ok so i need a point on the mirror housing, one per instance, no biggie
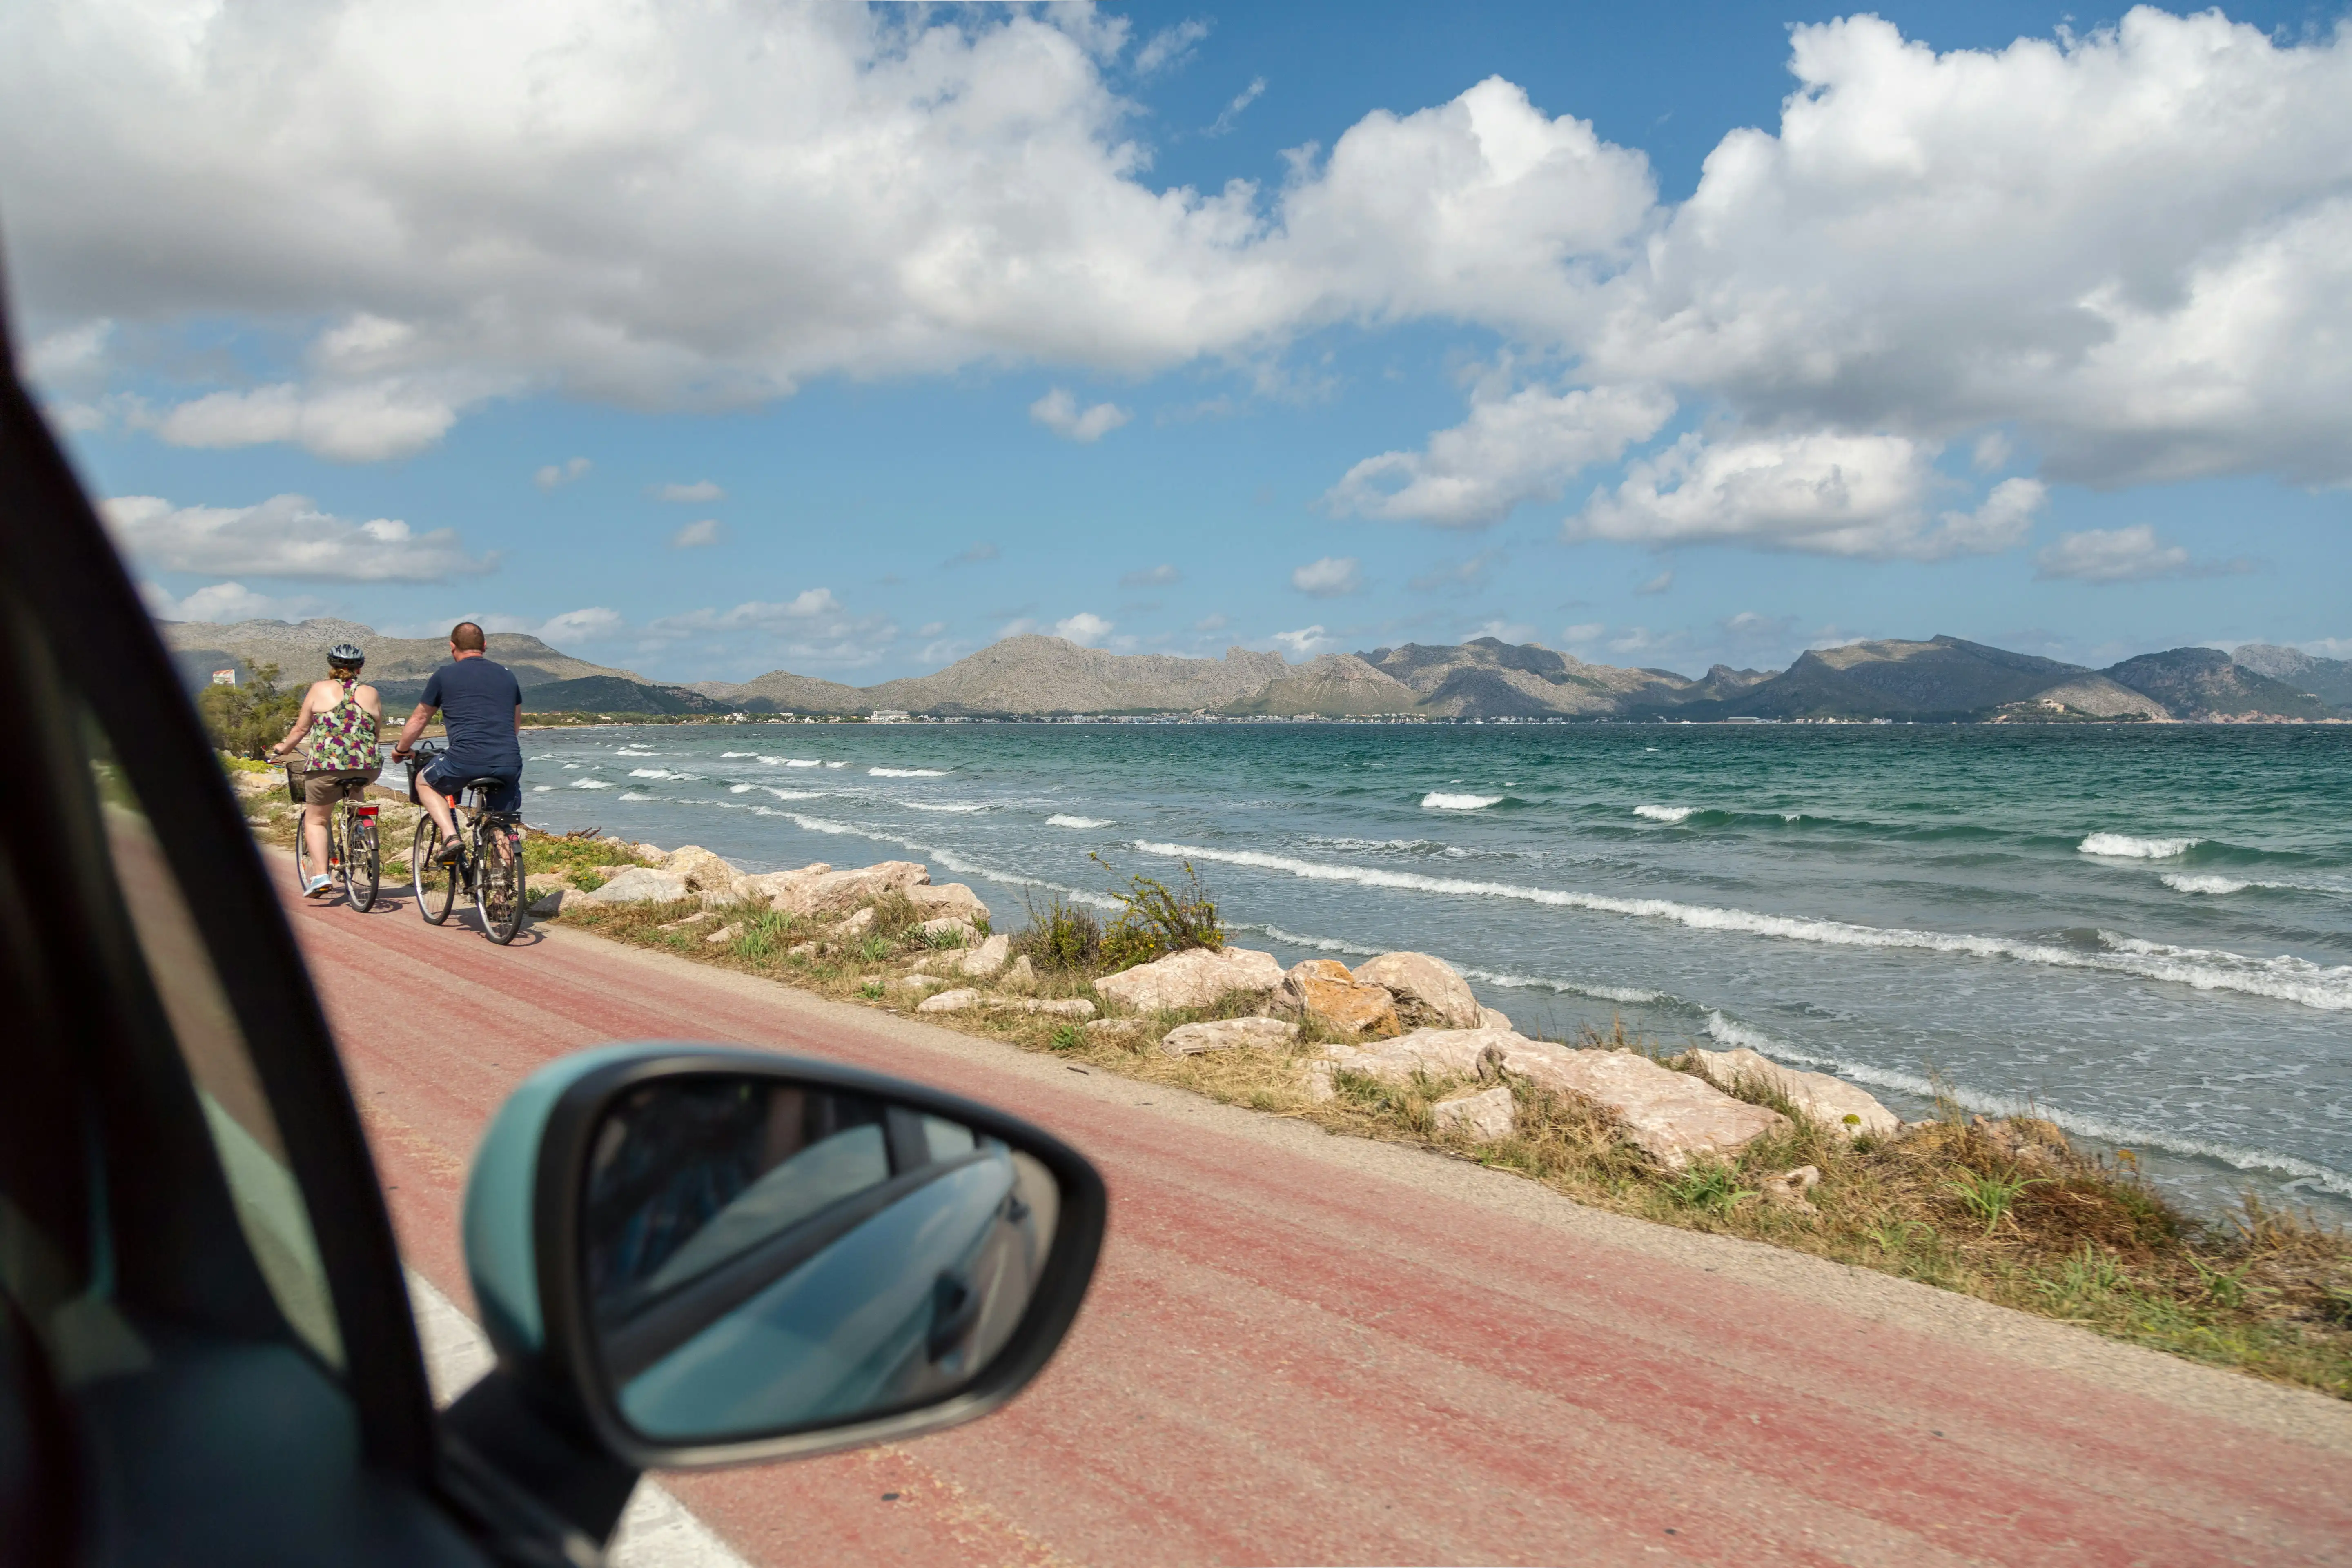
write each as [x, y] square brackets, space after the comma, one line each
[528, 1248]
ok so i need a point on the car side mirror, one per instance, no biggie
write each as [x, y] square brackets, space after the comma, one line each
[708, 1256]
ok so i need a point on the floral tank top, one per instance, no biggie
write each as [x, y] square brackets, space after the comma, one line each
[343, 739]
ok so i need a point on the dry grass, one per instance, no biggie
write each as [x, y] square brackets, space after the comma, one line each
[2002, 1211]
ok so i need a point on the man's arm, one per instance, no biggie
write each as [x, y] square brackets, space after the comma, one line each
[414, 728]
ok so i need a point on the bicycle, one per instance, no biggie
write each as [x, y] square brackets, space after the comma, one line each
[489, 858]
[352, 851]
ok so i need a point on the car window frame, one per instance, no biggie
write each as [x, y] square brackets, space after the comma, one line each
[87, 609]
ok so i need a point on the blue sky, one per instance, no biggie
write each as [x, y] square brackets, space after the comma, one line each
[847, 342]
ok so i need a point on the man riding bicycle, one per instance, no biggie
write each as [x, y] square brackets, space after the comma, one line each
[480, 704]
[342, 719]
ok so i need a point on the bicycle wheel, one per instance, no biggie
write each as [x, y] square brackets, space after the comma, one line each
[302, 870]
[498, 880]
[436, 884]
[362, 866]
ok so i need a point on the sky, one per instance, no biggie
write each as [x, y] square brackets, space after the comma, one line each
[709, 341]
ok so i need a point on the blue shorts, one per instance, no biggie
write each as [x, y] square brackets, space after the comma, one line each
[446, 776]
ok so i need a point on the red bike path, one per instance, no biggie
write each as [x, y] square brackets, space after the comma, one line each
[1301, 1348]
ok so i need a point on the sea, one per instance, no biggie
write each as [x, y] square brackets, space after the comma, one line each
[2142, 933]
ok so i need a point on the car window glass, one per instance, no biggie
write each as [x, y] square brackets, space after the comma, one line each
[270, 1209]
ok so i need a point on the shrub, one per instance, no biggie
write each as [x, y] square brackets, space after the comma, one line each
[246, 721]
[1156, 920]
[1059, 935]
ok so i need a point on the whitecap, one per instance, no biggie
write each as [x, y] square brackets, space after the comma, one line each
[836, 764]
[657, 774]
[796, 794]
[2284, 978]
[733, 755]
[959, 806]
[1062, 820]
[541, 789]
[800, 761]
[1665, 813]
[740, 789]
[2124, 847]
[1437, 800]
[633, 796]
[2180, 883]
[590, 783]
[906, 772]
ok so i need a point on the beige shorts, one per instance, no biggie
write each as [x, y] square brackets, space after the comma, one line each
[325, 788]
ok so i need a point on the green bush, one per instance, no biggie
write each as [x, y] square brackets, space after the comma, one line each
[1156, 920]
[1060, 935]
[246, 721]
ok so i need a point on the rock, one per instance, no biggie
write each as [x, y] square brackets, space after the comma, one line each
[1060, 1007]
[768, 884]
[950, 898]
[1118, 1025]
[956, 1001]
[539, 881]
[1827, 1100]
[947, 930]
[831, 892]
[1440, 1053]
[855, 925]
[704, 872]
[638, 885]
[694, 919]
[2028, 1139]
[1788, 1190]
[1486, 1116]
[918, 982]
[1225, 1034]
[802, 949]
[1670, 1115]
[724, 934]
[548, 900]
[1323, 990]
[984, 960]
[652, 855]
[1022, 972]
[1427, 991]
[1196, 977]
[1490, 1019]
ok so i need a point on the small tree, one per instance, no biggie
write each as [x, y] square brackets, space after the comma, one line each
[245, 720]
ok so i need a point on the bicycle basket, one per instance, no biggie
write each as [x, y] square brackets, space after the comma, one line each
[295, 774]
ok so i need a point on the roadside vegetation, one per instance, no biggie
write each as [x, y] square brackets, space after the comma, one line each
[246, 719]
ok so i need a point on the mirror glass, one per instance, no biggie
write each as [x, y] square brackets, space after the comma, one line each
[761, 1255]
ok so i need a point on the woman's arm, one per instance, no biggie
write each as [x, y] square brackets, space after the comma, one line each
[301, 725]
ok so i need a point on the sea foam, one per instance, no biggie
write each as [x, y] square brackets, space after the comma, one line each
[2181, 883]
[1665, 813]
[1062, 820]
[1437, 800]
[906, 772]
[2124, 847]
[2286, 979]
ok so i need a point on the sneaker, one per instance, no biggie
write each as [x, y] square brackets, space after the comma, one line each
[316, 888]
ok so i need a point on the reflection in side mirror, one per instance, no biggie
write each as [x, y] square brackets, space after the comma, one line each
[760, 1255]
[688, 1255]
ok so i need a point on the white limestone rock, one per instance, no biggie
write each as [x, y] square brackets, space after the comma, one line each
[1489, 1018]
[704, 872]
[638, 885]
[1489, 1114]
[831, 892]
[961, 999]
[1196, 977]
[951, 898]
[1824, 1099]
[1225, 1034]
[948, 931]
[1672, 1117]
[1427, 991]
[984, 960]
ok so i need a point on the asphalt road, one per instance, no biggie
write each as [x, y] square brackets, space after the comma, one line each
[1308, 1349]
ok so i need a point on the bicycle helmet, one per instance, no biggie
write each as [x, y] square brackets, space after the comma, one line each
[347, 655]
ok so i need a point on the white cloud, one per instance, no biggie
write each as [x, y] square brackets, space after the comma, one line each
[1657, 584]
[70, 357]
[1170, 45]
[2130, 554]
[1305, 642]
[697, 535]
[1824, 493]
[360, 424]
[224, 602]
[812, 628]
[1231, 114]
[1328, 578]
[284, 536]
[1216, 621]
[699, 491]
[1991, 452]
[1520, 446]
[555, 476]
[1059, 412]
[593, 624]
[1583, 632]
[1159, 576]
[1085, 628]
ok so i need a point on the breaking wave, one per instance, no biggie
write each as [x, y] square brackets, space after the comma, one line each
[590, 783]
[2286, 979]
[1665, 813]
[2217, 885]
[906, 772]
[2124, 847]
[1437, 800]
[1062, 820]
[959, 806]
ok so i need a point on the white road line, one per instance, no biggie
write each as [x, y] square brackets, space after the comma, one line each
[658, 1530]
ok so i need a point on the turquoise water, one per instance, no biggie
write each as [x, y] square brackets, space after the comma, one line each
[2146, 933]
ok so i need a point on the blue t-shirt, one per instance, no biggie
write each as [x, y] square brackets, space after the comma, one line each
[478, 701]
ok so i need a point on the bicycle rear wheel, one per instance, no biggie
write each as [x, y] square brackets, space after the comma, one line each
[436, 884]
[498, 880]
[362, 866]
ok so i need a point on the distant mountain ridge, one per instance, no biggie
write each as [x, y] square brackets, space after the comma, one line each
[1939, 679]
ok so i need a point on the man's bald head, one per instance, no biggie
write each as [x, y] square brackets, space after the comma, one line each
[467, 638]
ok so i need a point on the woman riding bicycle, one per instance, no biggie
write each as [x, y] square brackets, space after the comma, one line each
[343, 717]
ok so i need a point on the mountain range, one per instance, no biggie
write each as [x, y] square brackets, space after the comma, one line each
[1941, 679]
